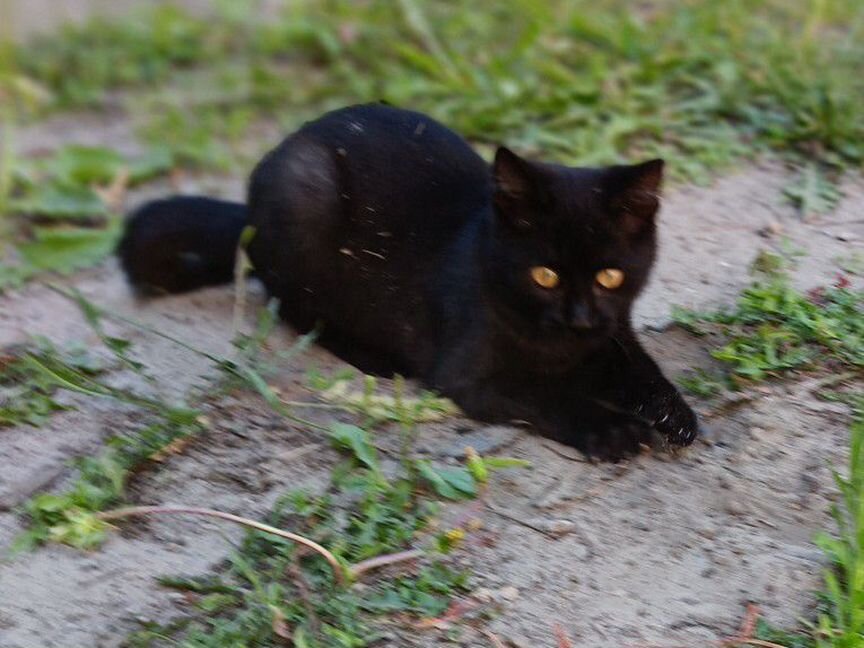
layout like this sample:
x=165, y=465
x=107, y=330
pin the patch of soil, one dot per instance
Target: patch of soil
x=32, y=17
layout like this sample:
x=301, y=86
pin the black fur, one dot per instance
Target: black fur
x=414, y=255
x=181, y=244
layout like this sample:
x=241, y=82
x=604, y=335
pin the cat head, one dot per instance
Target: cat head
x=571, y=248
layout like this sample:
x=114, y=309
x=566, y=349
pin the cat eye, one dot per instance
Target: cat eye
x=545, y=277
x=610, y=278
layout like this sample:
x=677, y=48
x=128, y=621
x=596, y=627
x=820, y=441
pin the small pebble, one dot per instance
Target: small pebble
x=560, y=528
x=758, y=433
x=771, y=229
x=508, y=593
x=580, y=552
x=735, y=507
x=482, y=594
x=707, y=532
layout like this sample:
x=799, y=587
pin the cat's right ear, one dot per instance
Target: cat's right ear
x=515, y=190
x=633, y=192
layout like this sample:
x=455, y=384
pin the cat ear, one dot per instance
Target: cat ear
x=516, y=190
x=512, y=175
x=634, y=193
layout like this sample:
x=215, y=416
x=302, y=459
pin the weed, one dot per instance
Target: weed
x=70, y=517
x=775, y=328
x=376, y=407
x=765, y=632
x=813, y=192
x=26, y=396
x=842, y=624
x=702, y=383
x=63, y=220
x=101, y=480
x=270, y=593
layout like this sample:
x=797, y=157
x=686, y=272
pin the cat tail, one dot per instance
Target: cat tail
x=181, y=243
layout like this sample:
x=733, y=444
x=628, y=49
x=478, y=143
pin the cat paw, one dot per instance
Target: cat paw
x=618, y=440
x=679, y=425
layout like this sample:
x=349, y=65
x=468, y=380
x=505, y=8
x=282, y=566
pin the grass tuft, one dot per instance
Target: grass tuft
x=775, y=328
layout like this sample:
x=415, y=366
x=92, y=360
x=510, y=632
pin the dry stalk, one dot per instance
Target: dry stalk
x=338, y=570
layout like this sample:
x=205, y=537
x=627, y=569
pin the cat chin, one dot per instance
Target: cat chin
x=557, y=350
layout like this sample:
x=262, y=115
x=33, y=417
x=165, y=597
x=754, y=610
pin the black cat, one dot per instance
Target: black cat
x=507, y=288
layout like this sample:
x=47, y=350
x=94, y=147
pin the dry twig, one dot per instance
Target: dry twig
x=114, y=194
x=378, y=562
x=338, y=569
x=343, y=574
x=519, y=521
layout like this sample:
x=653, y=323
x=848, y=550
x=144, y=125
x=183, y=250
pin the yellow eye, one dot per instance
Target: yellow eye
x=610, y=278
x=545, y=277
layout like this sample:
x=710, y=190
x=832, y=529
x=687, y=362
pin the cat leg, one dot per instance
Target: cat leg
x=591, y=427
x=641, y=389
x=602, y=433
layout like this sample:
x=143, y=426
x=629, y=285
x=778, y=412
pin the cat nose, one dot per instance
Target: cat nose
x=579, y=317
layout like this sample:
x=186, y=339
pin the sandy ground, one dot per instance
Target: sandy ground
x=38, y=17
x=41, y=17
x=665, y=550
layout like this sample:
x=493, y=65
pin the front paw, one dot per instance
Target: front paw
x=617, y=438
x=678, y=424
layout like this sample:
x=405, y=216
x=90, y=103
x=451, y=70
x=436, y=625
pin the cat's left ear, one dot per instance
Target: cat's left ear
x=633, y=192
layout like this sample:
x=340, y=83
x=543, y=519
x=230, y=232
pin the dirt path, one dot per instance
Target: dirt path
x=32, y=17
x=664, y=550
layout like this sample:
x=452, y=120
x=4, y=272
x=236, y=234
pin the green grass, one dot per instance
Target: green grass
x=775, y=328
x=27, y=396
x=80, y=65
x=269, y=594
x=839, y=622
x=700, y=83
x=36, y=375
x=841, y=625
x=58, y=214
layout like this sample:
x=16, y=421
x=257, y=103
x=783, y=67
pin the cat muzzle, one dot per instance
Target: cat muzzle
x=579, y=318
